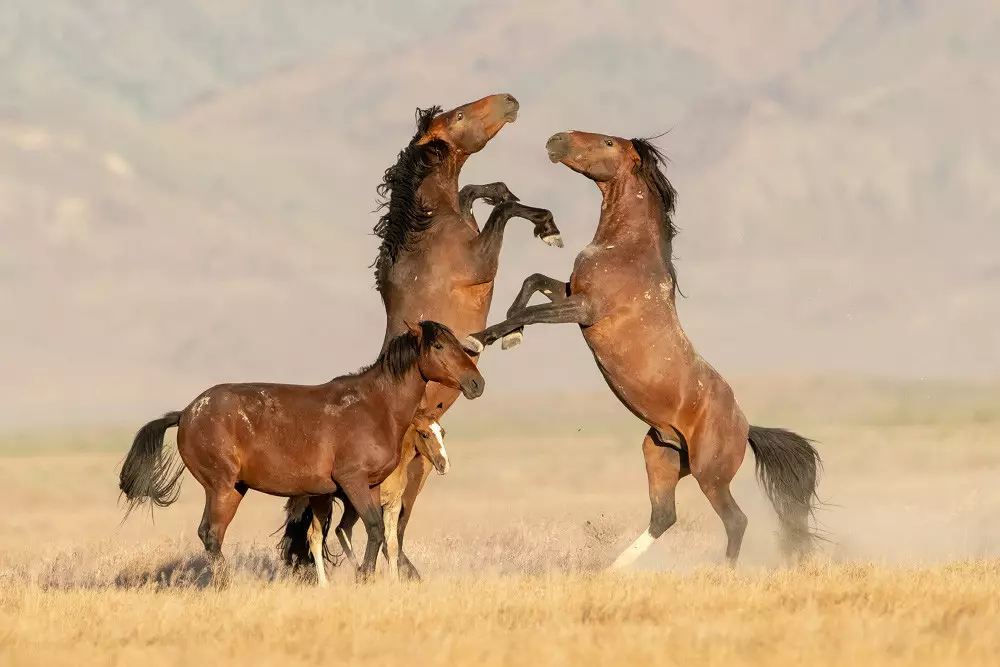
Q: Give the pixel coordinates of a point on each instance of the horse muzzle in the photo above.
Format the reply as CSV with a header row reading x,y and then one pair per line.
x,y
511,107
473,387
557,147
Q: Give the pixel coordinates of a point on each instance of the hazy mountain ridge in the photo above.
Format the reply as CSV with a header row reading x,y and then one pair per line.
x,y
186,187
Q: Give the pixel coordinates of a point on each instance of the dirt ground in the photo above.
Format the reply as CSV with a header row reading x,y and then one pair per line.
x,y
513,541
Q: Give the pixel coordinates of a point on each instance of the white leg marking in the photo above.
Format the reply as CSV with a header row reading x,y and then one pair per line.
x,y
638,548
436,430
346,545
316,548
390,522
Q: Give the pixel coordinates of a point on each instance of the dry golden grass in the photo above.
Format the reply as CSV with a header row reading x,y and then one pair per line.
x,y
512,545
819,615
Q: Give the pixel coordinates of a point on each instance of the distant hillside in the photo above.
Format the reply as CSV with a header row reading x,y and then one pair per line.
x,y
186,188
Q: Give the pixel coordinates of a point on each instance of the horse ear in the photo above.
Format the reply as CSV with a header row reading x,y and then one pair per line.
x,y
414,329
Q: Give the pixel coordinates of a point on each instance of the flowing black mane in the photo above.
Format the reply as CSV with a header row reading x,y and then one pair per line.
x,y
651,159
403,351
405,217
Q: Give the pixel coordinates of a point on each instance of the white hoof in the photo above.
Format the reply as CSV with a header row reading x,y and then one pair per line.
x,y
555,240
472,346
511,340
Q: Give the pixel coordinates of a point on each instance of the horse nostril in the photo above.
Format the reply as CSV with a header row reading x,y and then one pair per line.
x,y
512,106
557,146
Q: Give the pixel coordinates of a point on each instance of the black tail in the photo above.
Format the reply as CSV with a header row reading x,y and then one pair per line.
x,y
294,543
148,474
788,469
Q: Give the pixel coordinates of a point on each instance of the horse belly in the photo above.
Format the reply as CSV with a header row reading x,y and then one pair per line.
x,y
640,365
292,467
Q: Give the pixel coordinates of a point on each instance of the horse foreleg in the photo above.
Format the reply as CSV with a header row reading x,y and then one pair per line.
x,y
486,246
554,290
364,499
390,521
574,309
416,475
494,194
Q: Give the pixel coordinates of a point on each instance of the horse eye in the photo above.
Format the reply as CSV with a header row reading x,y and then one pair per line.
x,y
438,346
424,436
458,116
609,143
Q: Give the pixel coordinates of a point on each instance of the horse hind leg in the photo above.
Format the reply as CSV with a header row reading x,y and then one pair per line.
x,y
732,516
663,470
220,508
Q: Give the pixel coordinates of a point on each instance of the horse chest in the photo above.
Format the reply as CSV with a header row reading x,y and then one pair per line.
x,y
593,267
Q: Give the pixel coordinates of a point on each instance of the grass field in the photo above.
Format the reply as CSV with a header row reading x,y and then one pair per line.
x,y
513,541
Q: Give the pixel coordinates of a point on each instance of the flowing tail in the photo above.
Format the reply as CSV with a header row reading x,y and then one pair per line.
x,y
148,473
788,469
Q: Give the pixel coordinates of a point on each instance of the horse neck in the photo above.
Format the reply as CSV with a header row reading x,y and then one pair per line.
x,y
630,212
400,395
439,190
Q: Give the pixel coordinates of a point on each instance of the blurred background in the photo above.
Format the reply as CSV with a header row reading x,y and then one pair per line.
x,y
187,187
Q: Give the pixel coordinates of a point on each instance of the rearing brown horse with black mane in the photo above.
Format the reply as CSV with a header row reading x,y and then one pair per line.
x,y
622,293
434,261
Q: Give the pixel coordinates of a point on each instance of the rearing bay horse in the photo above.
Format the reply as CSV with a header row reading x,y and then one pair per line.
x,y
434,261
622,293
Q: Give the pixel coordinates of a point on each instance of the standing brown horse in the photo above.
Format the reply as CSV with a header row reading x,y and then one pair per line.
x,y
341,437
434,262
622,293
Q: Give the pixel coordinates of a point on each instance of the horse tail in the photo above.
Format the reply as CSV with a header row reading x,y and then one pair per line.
x,y
148,473
294,545
788,468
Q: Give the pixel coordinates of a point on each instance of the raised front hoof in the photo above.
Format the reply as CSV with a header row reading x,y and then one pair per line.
x,y
513,339
554,240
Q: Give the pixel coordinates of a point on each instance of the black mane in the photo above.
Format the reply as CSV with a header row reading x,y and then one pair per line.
x,y
403,351
651,159
405,217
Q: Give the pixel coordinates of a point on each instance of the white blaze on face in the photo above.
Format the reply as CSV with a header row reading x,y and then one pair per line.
x,y
439,436
631,555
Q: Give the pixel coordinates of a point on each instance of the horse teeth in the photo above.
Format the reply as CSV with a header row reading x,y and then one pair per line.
x,y
555,240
